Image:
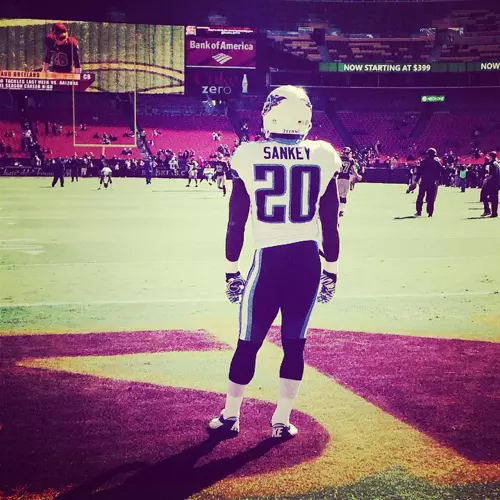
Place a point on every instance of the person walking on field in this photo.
(491, 186)
(428, 174)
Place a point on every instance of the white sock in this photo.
(234, 399)
(342, 206)
(287, 393)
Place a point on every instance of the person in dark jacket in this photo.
(491, 186)
(58, 169)
(428, 174)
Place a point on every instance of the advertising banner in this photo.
(220, 48)
(217, 84)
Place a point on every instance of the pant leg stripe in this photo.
(303, 332)
(248, 306)
(244, 300)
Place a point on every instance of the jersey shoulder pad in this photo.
(329, 155)
(240, 159)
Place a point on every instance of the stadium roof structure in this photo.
(355, 16)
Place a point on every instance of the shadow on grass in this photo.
(174, 478)
(407, 217)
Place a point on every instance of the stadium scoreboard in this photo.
(37, 80)
(439, 67)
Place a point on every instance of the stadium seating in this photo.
(297, 44)
(13, 142)
(322, 128)
(391, 129)
(456, 131)
(58, 108)
(188, 132)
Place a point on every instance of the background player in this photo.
(286, 183)
(106, 177)
(347, 170)
(62, 50)
(208, 174)
(491, 187)
(193, 172)
(429, 173)
(220, 173)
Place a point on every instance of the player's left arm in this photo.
(329, 217)
(239, 208)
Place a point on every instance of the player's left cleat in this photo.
(341, 214)
(282, 431)
(229, 427)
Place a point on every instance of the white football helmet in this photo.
(287, 111)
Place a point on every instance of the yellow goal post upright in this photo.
(130, 66)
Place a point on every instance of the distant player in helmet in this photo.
(220, 172)
(347, 171)
(62, 50)
(192, 172)
(106, 177)
(288, 185)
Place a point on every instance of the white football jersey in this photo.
(106, 171)
(285, 183)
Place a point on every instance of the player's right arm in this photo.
(239, 208)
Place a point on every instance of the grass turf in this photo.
(142, 257)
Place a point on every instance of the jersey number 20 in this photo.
(303, 188)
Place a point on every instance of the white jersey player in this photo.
(106, 177)
(192, 173)
(288, 185)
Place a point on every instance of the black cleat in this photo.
(282, 431)
(227, 426)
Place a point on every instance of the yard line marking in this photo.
(196, 261)
(222, 299)
(103, 263)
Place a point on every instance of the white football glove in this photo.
(326, 292)
(235, 284)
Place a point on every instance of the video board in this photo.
(232, 48)
(99, 57)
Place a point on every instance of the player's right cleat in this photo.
(418, 214)
(282, 431)
(226, 426)
(341, 214)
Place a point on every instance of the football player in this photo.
(192, 172)
(62, 50)
(347, 170)
(220, 173)
(208, 174)
(288, 185)
(106, 177)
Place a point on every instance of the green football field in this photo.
(401, 391)
(151, 257)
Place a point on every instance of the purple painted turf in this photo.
(106, 344)
(61, 429)
(449, 389)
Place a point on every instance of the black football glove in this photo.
(235, 284)
(326, 292)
